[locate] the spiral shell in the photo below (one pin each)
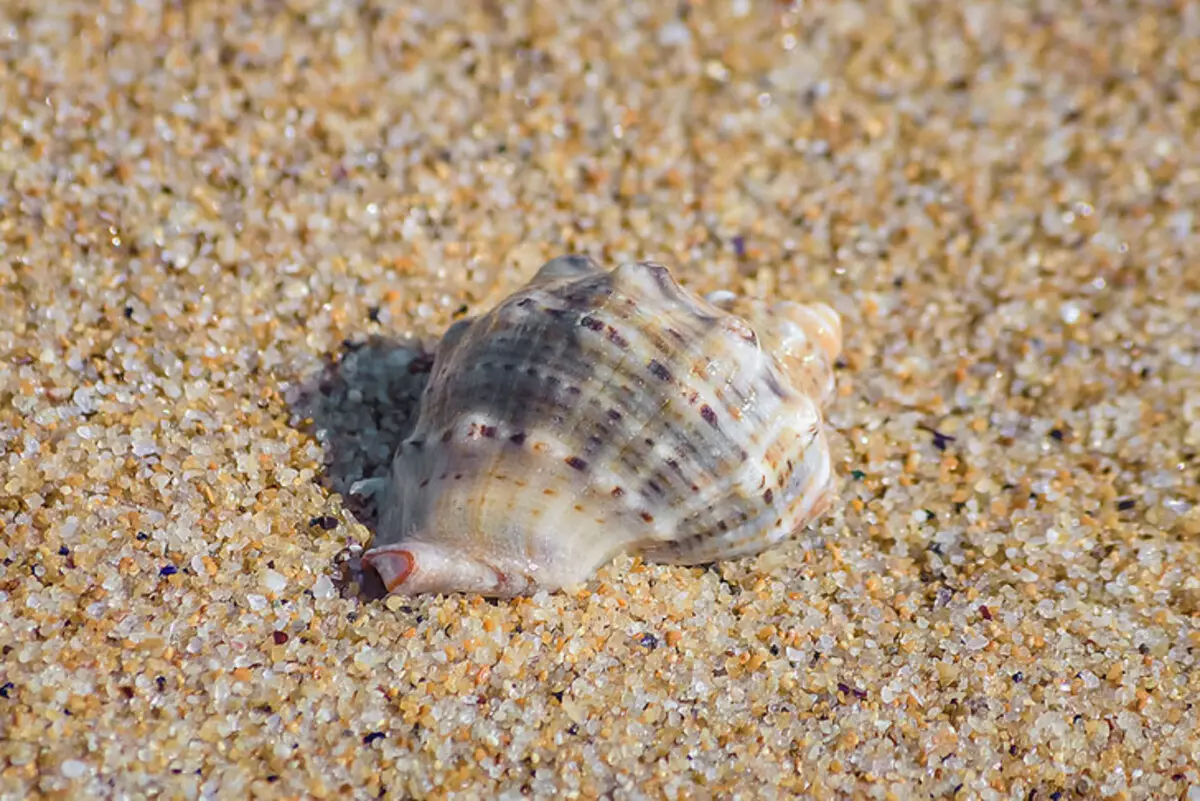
(594, 412)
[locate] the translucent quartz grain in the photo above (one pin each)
(230, 231)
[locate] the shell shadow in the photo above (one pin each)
(360, 406)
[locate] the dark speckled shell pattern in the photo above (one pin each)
(597, 411)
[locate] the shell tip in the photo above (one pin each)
(392, 566)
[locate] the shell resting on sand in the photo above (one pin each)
(594, 412)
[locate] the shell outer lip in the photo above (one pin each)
(393, 563)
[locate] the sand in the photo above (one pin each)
(230, 233)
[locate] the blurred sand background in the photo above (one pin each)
(229, 233)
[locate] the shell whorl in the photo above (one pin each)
(597, 411)
(806, 340)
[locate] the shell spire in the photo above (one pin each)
(806, 340)
(594, 412)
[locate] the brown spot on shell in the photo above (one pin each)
(709, 415)
(659, 371)
(649, 518)
(617, 492)
(518, 438)
(587, 321)
(768, 496)
(576, 462)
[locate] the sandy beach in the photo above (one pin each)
(232, 233)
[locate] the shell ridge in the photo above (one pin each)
(690, 428)
(617, 478)
(488, 402)
(494, 495)
(563, 440)
(728, 430)
(716, 486)
(613, 371)
(504, 404)
(748, 537)
(738, 368)
(630, 441)
(503, 398)
(612, 452)
(619, 450)
(625, 366)
(704, 517)
(496, 500)
(705, 503)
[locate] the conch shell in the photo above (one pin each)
(595, 412)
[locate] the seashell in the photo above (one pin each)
(595, 412)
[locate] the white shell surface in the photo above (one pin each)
(594, 412)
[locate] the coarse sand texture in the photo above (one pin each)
(231, 233)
